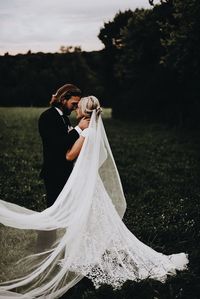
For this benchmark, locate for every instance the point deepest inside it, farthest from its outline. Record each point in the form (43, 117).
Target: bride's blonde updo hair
(88, 104)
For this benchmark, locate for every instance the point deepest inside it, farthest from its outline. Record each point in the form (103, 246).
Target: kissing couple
(81, 233)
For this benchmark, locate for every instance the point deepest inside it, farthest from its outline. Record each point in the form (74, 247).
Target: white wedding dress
(91, 239)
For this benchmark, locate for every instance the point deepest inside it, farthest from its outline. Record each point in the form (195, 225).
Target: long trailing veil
(90, 238)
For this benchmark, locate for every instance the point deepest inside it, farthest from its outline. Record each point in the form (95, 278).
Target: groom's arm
(71, 137)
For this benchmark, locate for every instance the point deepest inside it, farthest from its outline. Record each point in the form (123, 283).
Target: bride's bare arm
(75, 150)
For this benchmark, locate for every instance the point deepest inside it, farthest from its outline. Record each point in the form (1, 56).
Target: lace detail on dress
(110, 254)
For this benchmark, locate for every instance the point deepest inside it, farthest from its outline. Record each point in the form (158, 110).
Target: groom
(57, 137)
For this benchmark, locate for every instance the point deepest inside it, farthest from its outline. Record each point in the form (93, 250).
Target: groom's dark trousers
(56, 141)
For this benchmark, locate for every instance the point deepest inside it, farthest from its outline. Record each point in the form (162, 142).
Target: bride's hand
(84, 123)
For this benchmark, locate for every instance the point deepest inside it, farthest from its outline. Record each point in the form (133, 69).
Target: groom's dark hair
(64, 92)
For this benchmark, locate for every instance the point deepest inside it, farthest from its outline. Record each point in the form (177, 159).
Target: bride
(91, 239)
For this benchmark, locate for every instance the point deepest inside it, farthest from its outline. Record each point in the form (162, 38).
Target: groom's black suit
(56, 141)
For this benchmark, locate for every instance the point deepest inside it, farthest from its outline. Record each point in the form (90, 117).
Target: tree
(30, 79)
(110, 35)
(137, 68)
(151, 2)
(152, 58)
(70, 49)
(181, 44)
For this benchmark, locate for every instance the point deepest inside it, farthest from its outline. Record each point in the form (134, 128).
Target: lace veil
(48, 252)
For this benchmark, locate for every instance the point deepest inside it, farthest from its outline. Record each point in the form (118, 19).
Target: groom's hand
(84, 123)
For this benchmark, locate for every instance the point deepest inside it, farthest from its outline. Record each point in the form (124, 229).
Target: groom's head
(66, 98)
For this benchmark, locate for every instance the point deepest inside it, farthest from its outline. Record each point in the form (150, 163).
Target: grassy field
(160, 171)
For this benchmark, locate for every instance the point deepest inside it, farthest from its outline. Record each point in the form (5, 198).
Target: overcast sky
(45, 25)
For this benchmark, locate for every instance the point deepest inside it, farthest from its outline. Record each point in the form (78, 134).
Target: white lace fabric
(91, 239)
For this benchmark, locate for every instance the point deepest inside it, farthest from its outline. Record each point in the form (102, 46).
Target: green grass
(160, 172)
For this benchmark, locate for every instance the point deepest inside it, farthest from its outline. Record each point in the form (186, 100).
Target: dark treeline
(154, 60)
(148, 70)
(30, 79)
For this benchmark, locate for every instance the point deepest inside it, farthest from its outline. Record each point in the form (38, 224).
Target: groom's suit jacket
(56, 141)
